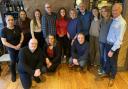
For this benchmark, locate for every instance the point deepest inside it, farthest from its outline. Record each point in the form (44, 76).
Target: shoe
(70, 65)
(37, 79)
(13, 78)
(83, 70)
(111, 82)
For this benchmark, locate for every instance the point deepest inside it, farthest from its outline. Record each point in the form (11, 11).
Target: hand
(17, 47)
(72, 42)
(68, 35)
(37, 72)
(61, 35)
(47, 61)
(48, 65)
(75, 61)
(110, 54)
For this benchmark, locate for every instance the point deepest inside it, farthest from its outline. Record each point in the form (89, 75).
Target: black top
(56, 51)
(12, 36)
(29, 61)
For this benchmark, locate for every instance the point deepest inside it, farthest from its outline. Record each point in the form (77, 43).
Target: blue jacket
(86, 21)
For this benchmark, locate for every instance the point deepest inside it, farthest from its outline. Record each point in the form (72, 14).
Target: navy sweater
(86, 21)
(74, 27)
(80, 51)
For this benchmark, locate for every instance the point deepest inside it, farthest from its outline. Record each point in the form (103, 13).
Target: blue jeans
(82, 63)
(111, 63)
(102, 55)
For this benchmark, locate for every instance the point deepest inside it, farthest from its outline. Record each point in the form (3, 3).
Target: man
(30, 63)
(48, 21)
(114, 41)
(85, 18)
(79, 52)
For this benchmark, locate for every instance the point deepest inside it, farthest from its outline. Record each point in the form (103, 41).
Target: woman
(74, 26)
(104, 29)
(52, 54)
(61, 28)
(35, 26)
(24, 23)
(12, 38)
(94, 37)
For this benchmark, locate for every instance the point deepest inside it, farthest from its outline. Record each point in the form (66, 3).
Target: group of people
(86, 38)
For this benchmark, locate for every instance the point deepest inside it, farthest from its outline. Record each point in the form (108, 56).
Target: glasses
(48, 7)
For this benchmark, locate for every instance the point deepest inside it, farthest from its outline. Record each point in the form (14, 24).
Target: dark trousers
(14, 59)
(26, 80)
(64, 44)
(27, 37)
(40, 39)
(111, 62)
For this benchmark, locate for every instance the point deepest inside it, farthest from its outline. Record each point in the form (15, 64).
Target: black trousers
(64, 44)
(111, 62)
(26, 80)
(14, 59)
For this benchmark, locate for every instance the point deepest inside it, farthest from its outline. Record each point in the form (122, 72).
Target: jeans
(102, 55)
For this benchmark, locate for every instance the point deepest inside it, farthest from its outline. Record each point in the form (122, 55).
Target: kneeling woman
(52, 54)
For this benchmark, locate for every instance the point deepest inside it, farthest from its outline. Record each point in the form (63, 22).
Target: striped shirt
(49, 24)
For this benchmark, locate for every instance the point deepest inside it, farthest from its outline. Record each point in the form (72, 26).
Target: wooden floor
(67, 79)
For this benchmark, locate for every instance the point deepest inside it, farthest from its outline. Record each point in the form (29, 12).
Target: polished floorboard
(64, 78)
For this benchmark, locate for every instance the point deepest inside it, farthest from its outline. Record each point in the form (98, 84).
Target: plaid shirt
(49, 24)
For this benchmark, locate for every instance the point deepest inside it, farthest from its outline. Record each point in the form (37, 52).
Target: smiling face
(48, 8)
(10, 21)
(73, 14)
(33, 44)
(82, 7)
(51, 40)
(37, 14)
(23, 15)
(62, 12)
(81, 38)
(104, 13)
(95, 12)
(116, 10)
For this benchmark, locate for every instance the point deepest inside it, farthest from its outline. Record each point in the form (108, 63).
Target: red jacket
(61, 26)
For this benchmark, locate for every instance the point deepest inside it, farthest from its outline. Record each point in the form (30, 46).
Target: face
(82, 8)
(10, 21)
(116, 11)
(73, 14)
(51, 39)
(37, 14)
(104, 13)
(48, 8)
(62, 12)
(81, 38)
(33, 44)
(95, 12)
(22, 15)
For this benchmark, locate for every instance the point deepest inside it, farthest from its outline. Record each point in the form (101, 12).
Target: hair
(34, 20)
(73, 9)
(96, 8)
(119, 6)
(59, 15)
(8, 16)
(81, 33)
